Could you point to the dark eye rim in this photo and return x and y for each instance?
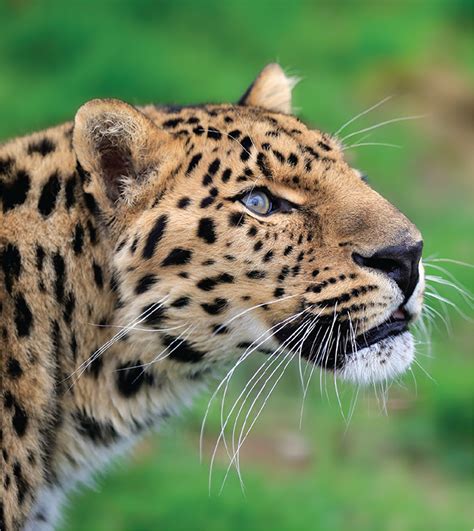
(278, 204)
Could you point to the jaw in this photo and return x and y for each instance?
(381, 353)
(381, 361)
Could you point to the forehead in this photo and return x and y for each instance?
(279, 147)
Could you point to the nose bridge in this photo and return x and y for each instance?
(381, 238)
(371, 223)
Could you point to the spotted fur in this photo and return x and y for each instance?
(132, 218)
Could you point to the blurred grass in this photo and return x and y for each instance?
(408, 470)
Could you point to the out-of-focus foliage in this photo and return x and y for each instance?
(407, 469)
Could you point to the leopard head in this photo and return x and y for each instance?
(237, 228)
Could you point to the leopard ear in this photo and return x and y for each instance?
(116, 144)
(270, 90)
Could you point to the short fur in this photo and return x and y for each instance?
(129, 217)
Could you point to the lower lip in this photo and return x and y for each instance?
(383, 331)
(336, 356)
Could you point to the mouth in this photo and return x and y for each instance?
(332, 343)
(396, 324)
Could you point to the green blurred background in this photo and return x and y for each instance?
(406, 466)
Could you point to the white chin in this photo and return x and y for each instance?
(381, 361)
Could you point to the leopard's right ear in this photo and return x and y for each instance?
(118, 146)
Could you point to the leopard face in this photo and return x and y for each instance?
(237, 228)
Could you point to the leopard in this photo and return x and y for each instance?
(144, 248)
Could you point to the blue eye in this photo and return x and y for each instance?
(258, 202)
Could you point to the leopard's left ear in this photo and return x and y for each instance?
(271, 90)
(118, 146)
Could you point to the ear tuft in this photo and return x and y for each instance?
(271, 90)
(114, 141)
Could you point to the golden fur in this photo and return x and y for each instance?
(135, 210)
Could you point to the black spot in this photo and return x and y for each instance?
(40, 254)
(8, 400)
(219, 329)
(214, 134)
(134, 245)
(59, 270)
(15, 192)
(236, 219)
(179, 303)
(184, 202)
(207, 230)
(131, 377)
(209, 283)
(10, 260)
(207, 180)
(262, 163)
(69, 307)
(323, 146)
(155, 236)
(70, 191)
(49, 195)
(73, 346)
(145, 283)
(21, 483)
(177, 256)
(292, 159)
(216, 307)
(95, 365)
(207, 201)
(256, 274)
(214, 167)
(23, 316)
(90, 203)
(97, 432)
(226, 175)
(258, 245)
(92, 232)
(268, 256)
(279, 292)
(19, 419)
(98, 275)
(278, 155)
(181, 350)
(252, 231)
(43, 147)
(246, 144)
(5, 165)
(235, 134)
(193, 163)
(14, 368)
(153, 315)
(173, 122)
(199, 130)
(78, 239)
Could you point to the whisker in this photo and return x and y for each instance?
(384, 144)
(381, 124)
(363, 113)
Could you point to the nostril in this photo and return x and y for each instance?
(387, 265)
(400, 263)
